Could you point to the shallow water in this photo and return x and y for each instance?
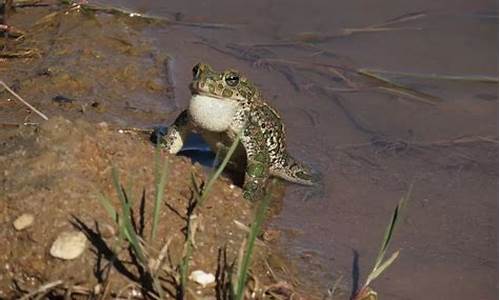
(369, 144)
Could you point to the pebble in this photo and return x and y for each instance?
(202, 278)
(103, 125)
(23, 221)
(69, 245)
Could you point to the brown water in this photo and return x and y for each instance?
(449, 234)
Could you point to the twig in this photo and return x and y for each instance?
(20, 53)
(438, 143)
(393, 86)
(403, 18)
(82, 290)
(308, 38)
(327, 69)
(405, 93)
(44, 288)
(157, 263)
(473, 78)
(23, 101)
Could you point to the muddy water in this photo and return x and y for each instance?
(445, 145)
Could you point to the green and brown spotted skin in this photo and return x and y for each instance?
(262, 130)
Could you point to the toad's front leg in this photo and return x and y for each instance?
(177, 133)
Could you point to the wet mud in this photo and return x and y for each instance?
(374, 110)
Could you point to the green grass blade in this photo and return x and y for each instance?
(389, 231)
(126, 223)
(197, 191)
(130, 232)
(239, 264)
(117, 185)
(380, 269)
(188, 250)
(184, 266)
(160, 181)
(200, 197)
(219, 170)
(252, 236)
(388, 234)
(106, 203)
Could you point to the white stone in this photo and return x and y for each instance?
(202, 278)
(23, 221)
(69, 245)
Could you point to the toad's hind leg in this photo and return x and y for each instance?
(177, 133)
(293, 171)
(257, 168)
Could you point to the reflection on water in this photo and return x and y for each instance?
(375, 95)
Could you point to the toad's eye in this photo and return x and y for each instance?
(196, 71)
(232, 79)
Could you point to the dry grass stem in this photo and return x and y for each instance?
(23, 101)
(406, 94)
(20, 53)
(42, 289)
(308, 38)
(156, 264)
(438, 143)
(433, 76)
(392, 86)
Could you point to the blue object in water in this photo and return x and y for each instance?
(195, 147)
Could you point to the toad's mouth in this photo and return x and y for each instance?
(195, 91)
(209, 95)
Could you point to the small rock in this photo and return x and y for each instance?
(202, 278)
(23, 221)
(102, 125)
(69, 245)
(97, 289)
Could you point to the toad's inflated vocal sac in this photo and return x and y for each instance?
(225, 105)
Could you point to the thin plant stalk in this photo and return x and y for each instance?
(126, 218)
(23, 101)
(381, 265)
(245, 260)
(161, 170)
(474, 78)
(394, 85)
(184, 265)
(126, 228)
(200, 198)
(218, 171)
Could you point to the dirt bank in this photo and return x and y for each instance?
(56, 172)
